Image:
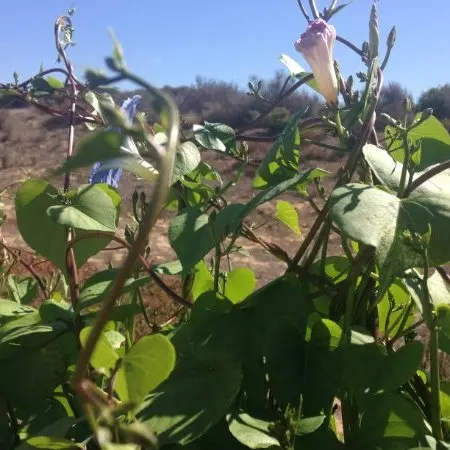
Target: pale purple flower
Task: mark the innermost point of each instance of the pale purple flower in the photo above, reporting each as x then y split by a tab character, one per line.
100	173
316	45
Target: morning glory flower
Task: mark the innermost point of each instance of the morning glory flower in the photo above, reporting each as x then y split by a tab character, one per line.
110	171
316	45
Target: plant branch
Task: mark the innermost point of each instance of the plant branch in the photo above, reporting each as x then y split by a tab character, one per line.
147	266
168	107
27	266
436	170
275	102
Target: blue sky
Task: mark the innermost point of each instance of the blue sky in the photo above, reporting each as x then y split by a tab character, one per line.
172	41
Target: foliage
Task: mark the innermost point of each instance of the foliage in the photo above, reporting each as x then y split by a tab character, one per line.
437	98
239	365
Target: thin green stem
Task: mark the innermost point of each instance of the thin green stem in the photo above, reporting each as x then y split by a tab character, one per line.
402	187
435	382
427	175
148	221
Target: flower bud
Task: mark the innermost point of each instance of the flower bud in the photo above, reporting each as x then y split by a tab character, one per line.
373	33
316	45
391	37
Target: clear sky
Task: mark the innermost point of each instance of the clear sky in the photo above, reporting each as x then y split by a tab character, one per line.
172	41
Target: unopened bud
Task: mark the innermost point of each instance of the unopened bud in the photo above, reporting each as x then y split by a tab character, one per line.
350	83
407	105
373	33
386	118
391	38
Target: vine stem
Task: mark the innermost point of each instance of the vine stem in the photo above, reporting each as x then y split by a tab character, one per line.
71	263
148	221
275	102
346	175
143	261
27	266
436	170
435	382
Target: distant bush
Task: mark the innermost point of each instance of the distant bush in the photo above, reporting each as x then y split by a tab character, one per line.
437	98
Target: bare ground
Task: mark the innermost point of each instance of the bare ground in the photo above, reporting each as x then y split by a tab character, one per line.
31	143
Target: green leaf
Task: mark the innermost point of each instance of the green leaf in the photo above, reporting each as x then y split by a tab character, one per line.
168	268
240	283
15	339
434	142
185	406
217	330
376	218
282	160
52	443
187	159
55	83
96	287
10	310
98	146
390	421
286	213
297	71
392	306
32	201
29	378
22	290
53	310
215	136
253	433
104	358
147	364
368	370
388	171
309	425
90	209
203	280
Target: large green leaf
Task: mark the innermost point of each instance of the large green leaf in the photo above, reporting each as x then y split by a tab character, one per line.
434	142
185	406
31	333
10	310
187	159
390	421
286	213
217	330
439	294
147	364
32	375
281	162
22	289
90	209
388	171
240	283
253	433
377	218
368	370
96	287
32	201
50	443
203	280
215	136
392	307
297	71
96	147
104	358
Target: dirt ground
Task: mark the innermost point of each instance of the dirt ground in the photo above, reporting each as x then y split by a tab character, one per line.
31	143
